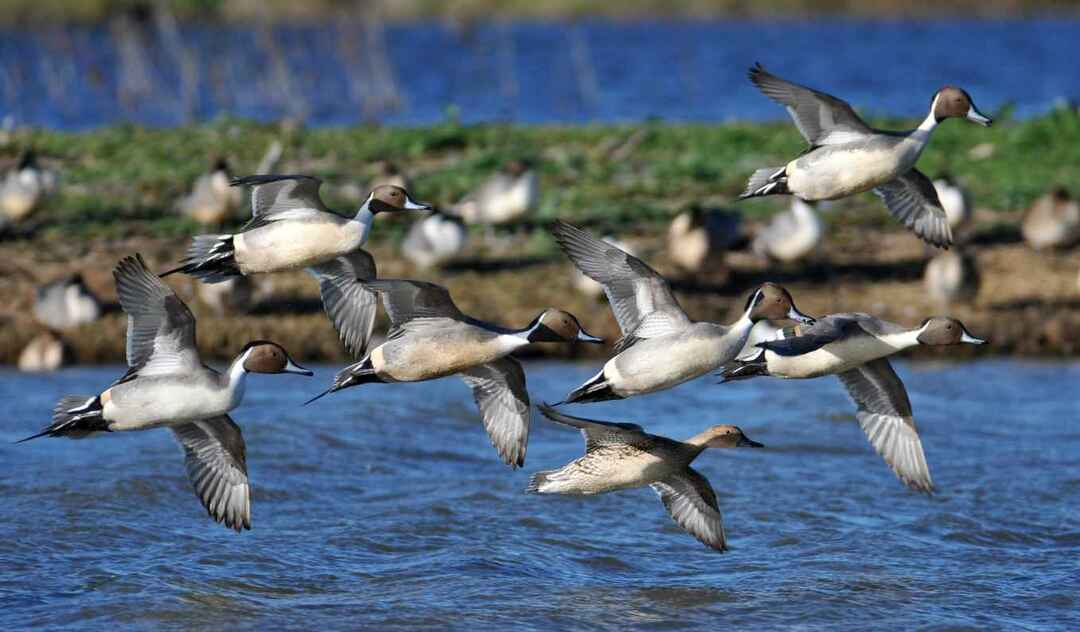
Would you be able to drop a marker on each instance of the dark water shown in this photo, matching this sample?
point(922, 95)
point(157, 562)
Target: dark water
point(76, 77)
point(384, 507)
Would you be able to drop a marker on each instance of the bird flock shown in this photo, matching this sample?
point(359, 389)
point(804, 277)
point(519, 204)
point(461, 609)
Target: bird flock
point(429, 337)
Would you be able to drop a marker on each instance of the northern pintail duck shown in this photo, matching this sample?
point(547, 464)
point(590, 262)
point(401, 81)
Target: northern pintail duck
point(790, 235)
point(660, 346)
point(212, 200)
point(434, 240)
point(1052, 221)
point(954, 201)
point(951, 277)
point(623, 456)
point(168, 385)
point(66, 303)
point(45, 352)
point(24, 187)
point(232, 296)
point(846, 156)
point(699, 237)
point(504, 197)
point(855, 347)
point(430, 338)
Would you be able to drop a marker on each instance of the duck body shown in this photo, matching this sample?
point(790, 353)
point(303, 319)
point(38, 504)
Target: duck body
point(836, 357)
point(791, 235)
point(951, 277)
point(615, 467)
point(66, 304)
point(1052, 221)
point(23, 188)
point(441, 351)
point(434, 240)
point(298, 244)
point(503, 198)
point(164, 400)
point(831, 172)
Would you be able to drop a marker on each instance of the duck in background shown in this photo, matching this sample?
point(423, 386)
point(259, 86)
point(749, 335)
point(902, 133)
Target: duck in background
point(434, 240)
point(791, 235)
point(24, 188)
point(699, 237)
point(389, 173)
point(505, 197)
point(951, 277)
point(212, 200)
point(230, 297)
point(954, 200)
point(45, 352)
point(1052, 221)
point(66, 303)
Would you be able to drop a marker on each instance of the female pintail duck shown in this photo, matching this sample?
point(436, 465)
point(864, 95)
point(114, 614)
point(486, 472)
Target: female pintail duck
point(434, 240)
point(212, 199)
point(660, 346)
point(954, 201)
point(1052, 221)
point(790, 235)
point(24, 187)
point(699, 237)
point(855, 347)
point(623, 456)
point(168, 385)
point(847, 156)
point(66, 303)
point(290, 229)
point(952, 276)
point(430, 338)
point(504, 197)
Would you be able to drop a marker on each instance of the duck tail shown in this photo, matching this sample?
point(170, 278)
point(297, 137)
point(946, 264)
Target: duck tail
point(595, 390)
point(209, 258)
point(359, 373)
point(744, 368)
point(767, 181)
point(537, 482)
point(74, 416)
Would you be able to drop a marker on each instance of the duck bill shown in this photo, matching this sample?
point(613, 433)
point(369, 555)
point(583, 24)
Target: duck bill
point(976, 116)
point(971, 340)
point(797, 316)
point(584, 336)
point(292, 367)
point(745, 442)
point(412, 205)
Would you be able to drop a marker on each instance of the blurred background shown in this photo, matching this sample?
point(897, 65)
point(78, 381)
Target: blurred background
point(122, 121)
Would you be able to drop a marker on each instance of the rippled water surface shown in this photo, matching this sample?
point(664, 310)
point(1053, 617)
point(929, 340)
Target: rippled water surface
point(385, 507)
point(346, 72)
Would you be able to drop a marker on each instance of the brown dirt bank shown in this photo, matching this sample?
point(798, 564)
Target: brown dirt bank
point(1029, 303)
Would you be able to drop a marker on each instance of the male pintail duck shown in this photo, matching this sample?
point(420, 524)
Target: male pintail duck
point(212, 199)
point(660, 346)
point(290, 229)
point(699, 237)
point(846, 156)
point(66, 303)
point(24, 187)
point(504, 197)
point(591, 288)
point(1052, 221)
point(623, 456)
point(790, 235)
point(168, 385)
point(952, 276)
point(430, 338)
point(434, 240)
point(855, 347)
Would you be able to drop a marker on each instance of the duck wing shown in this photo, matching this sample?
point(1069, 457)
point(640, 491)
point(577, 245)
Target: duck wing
point(161, 328)
point(801, 339)
point(349, 305)
point(690, 500)
point(406, 300)
point(278, 197)
point(499, 390)
point(822, 119)
point(214, 456)
point(641, 299)
point(600, 433)
point(884, 412)
point(912, 199)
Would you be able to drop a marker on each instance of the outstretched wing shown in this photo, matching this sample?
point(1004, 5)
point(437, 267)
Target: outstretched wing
point(690, 500)
point(161, 328)
point(214, 456)
point(600, 433)
point(276, 197)
point(406, 300)
point(499, 390)
point(913, 200)
point(349, 305)
point(822, 119)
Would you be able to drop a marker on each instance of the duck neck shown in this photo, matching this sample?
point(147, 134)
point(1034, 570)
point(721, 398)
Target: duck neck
point(903, 339)
point(740, 329)
point(236, 377)
point(922, 132)
point(365, 218)
point(697, 444)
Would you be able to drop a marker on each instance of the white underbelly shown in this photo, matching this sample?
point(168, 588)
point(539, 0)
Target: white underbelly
point(661, 363)
point(833, 358)
point(291, 246)
point(161, 405)
point(841, 173)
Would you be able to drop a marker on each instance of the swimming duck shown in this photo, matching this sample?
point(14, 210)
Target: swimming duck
point(168, 385)
point(434, 240)
point(855, 347)
point(23, 188)
point(791, 235)
point(504, 197)
point(1052, 221)
point(623, 456)
point(954, 200)
point(212, 199)
point(951, 277)
point(290, 229)
point(847, 156)
point(660, 346)
point(66, 303)
point(430, 338)
point(700, 236)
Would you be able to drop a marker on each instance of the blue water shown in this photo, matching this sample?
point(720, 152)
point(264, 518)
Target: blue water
point(384, 507)
point(77, 77)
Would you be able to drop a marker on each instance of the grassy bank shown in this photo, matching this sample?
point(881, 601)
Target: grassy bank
point(120, 185)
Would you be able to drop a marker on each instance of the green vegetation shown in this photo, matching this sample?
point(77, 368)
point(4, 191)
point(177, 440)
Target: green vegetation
point(124, 181)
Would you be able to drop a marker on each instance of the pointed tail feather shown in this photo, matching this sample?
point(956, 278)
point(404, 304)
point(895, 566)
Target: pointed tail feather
point(74, 416)
point(209, 258)
point(537, 481)
point(767, 181)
